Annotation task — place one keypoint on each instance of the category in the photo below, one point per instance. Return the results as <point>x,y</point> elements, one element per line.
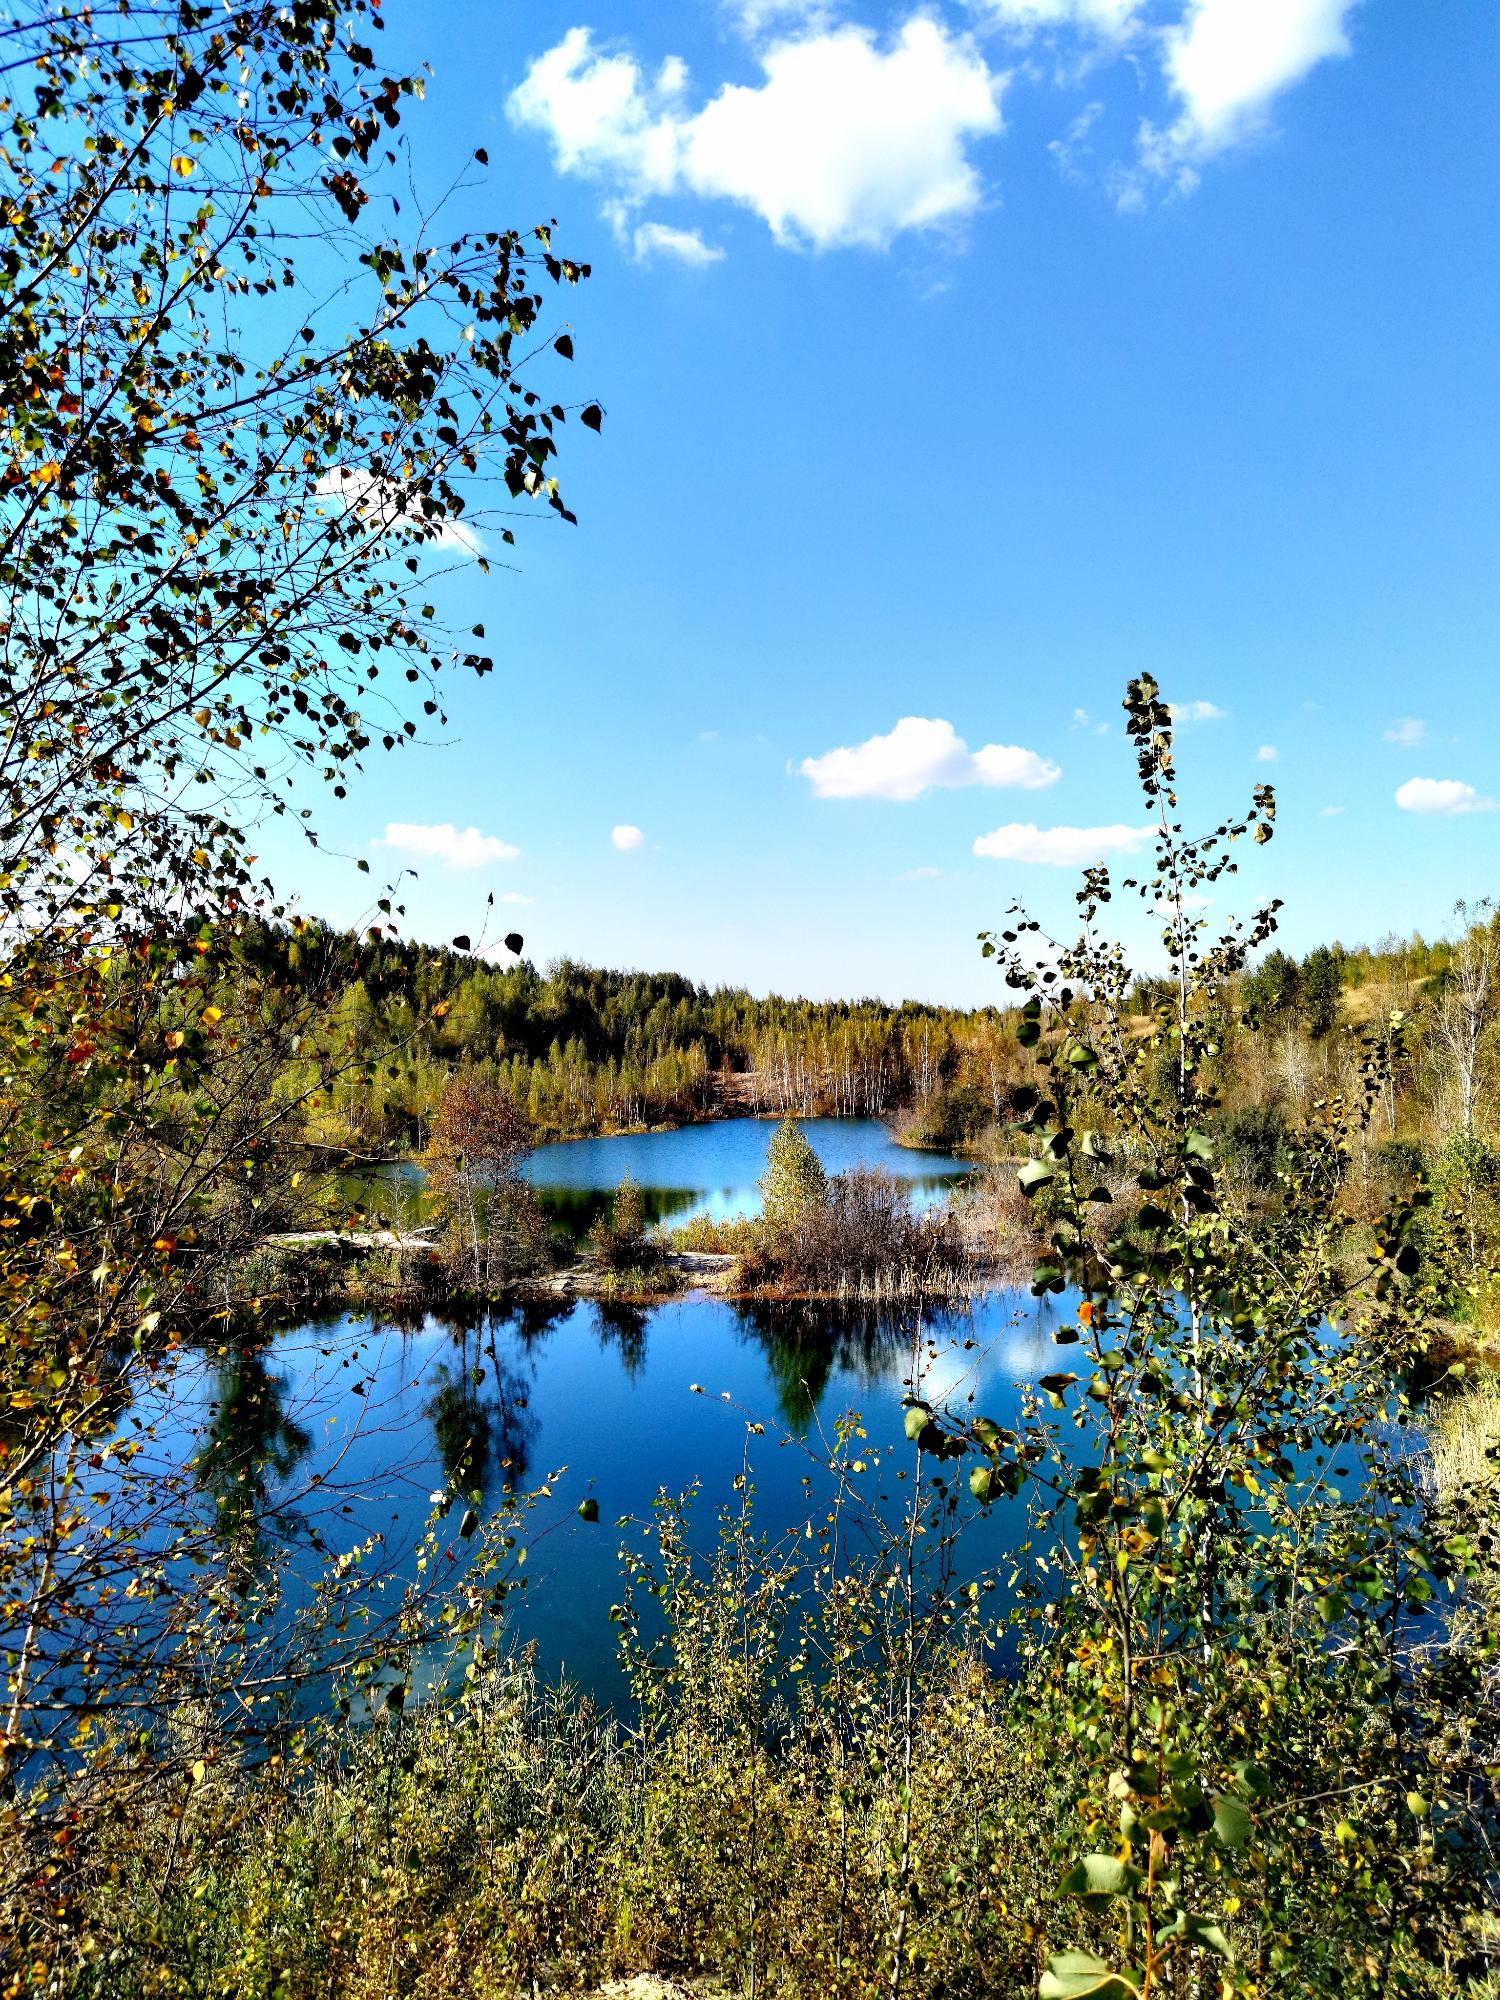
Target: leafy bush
<point>618,1240</point>
<point>1252,1142</point>
<point>954,1115</point>
<point>863,1233</point>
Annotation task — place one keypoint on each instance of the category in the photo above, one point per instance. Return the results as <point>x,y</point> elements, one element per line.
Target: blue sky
<point>961,361</point>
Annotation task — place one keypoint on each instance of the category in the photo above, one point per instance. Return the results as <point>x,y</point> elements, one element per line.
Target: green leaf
<point>1035,1174</point>
<point>1078,1975</point>
<point>916,1420</point>
<point>1232,1821</point>
<point>469,1522</point>
<point>1255,1778</point>
<point>1100,1875</point>
<point>981,1480</point>
<point>588,1510</point>
<point>593,416</point>
<point>1201,1931</point>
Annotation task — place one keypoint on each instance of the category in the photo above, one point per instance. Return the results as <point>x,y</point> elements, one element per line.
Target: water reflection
<point>806,1342</point>
<point>352,1423</point>
<point>251,1445</point>
<point>709,1170</point>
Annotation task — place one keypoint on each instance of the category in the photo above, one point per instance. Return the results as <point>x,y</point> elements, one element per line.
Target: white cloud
<point>922,752</point>
<point>1061,846</point>
<point>1329,812</point>
<point>385,505</point>
<point>1226,60</point>
<point>1441,797</point>
<point>515,896</point>
<point>626,837</point>
<point>846,140</point>
<point>1111,19</point>
<point>1268,754</point>
<point>920,875</point>
<point>469,849</point>
<point>686,246</point>
<point>1408,731</point>
<point>1195,711</point>
<point>754,17</point>
<point>1189,905</point>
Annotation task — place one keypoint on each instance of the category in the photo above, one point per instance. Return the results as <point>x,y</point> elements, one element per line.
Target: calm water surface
<point>707,1170</point>
<point>603,1394</point>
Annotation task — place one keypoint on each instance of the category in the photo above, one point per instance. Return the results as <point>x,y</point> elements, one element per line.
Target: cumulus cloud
<point>468,849</point>
<point>1408,731</point>
<point>919,754</point>
<point>1440,797</point>
<point>1268,754</point>
<point>685,246</point>
<point>1061,846</point>
<point>847,138</point>
<point>1195,711</point>
<point>627,837</point>
<point>1225,63</point>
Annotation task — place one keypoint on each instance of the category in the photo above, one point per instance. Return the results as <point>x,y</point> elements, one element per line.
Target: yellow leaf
<point>181,164</point>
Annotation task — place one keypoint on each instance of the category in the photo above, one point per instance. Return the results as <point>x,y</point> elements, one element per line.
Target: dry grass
<point>1464,1436</point>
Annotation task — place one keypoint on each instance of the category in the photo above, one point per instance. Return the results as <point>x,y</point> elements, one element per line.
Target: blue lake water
<point>708,1170</point>
<point>614,1401</point>
<point>621,1402</point>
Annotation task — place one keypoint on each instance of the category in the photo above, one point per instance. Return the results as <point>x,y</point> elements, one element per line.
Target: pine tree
<point>794,1180</point>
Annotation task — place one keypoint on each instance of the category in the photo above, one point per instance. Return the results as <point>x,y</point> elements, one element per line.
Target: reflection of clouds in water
<point>1027,1349</point>
<point>1004,1341</point>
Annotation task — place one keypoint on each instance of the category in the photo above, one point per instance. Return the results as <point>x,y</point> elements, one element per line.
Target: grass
<point>1464,1437</point>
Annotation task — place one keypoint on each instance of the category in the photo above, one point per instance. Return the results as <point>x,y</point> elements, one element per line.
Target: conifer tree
<point>794,1180</point>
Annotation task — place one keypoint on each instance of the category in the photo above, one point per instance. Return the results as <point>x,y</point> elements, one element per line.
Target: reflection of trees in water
<point>805,1340</point>
<point>252,1441</point>
<point>481,1414</point>
<point>624,1325</point>
<point>574,1211</point>
<point>461,1430</point>
<point>531,1320</point>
